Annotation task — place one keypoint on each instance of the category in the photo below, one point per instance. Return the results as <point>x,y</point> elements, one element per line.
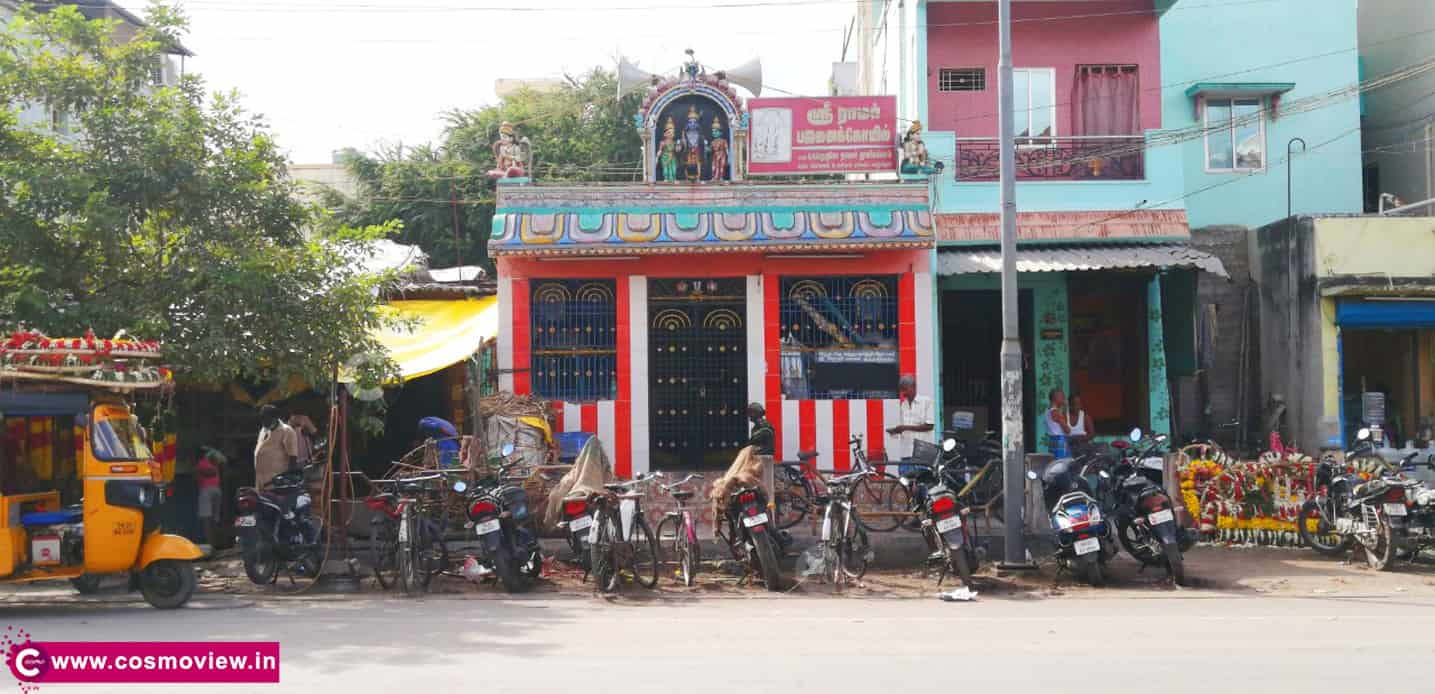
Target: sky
<point>329,74</point>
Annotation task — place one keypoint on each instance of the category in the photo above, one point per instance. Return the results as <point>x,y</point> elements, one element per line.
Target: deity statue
<point>512,154</point>
<point>693,146</point>
<point>717,146</point>
<point>914,152</point>
<point>667,153</point>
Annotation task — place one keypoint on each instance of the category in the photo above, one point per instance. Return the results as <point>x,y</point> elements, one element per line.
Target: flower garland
<point>117,362</point>
<point>1256,502</point>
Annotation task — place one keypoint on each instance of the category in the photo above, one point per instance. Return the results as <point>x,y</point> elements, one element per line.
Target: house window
<point>574,340</point>
<point>1235,135</point>
<point>965,79</point>
<point>839,337</point>
<point>1034,101</point>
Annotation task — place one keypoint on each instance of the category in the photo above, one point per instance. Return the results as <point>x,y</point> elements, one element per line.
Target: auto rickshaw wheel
<point>86,584</point>
<point>168,583</point>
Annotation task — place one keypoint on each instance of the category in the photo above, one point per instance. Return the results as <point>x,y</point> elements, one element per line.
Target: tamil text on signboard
<point>816,135</point>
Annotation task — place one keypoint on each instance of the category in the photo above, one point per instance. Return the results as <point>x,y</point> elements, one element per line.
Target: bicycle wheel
<point>881,499</point>
<point>383,551</point>
<point>645,554</point>
<point>856,550</point>
<point>411,577</point>
<point>791,503</point>
<point>605,573</point>
<point>673,544</point>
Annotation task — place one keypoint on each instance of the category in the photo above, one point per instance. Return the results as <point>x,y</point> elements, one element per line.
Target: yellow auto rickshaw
<point>115,527</point>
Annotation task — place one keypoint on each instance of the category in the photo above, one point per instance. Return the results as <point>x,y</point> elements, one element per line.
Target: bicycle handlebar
<point>679,483</point>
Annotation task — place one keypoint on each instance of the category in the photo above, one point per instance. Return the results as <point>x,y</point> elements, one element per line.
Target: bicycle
<point>420,548</point>
<point>881,495</point>
<point>621,539</point>
<point>384,533</point>
<point>680,531</point>
<point>846,550</point>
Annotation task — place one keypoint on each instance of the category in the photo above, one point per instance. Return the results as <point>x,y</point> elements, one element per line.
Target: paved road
<point>1201,642</point>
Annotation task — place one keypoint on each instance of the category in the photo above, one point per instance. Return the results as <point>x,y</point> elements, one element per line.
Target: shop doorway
<point>697,371</point>
<point>971,360</point>
<point>1396,363</point>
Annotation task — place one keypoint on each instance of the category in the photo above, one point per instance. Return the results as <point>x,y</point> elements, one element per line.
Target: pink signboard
<point>819,135</point>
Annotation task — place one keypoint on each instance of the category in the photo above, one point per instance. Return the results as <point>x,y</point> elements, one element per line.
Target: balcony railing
<point>1080,158</point>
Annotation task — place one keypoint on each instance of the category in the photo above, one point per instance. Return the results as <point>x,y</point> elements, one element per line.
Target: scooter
<point>1083,535</point>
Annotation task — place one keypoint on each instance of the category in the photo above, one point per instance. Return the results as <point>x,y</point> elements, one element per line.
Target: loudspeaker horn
<point>748,76</point>
<point>630,76</point>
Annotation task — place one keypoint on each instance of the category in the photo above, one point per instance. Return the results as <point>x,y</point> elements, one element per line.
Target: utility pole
<point>1013,443</point>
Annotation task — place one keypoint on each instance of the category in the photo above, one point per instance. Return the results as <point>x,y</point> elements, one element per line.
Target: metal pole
<point>1013,444</point>
<point>1290,164</point>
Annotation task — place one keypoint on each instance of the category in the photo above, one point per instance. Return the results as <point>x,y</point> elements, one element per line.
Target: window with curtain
<point>1235,135</point>
<point>574,340</point>
<point>1106,100</point>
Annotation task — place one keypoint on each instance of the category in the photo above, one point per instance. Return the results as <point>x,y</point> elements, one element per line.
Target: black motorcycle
<point>943,516</point>
<point>1083,535</point>
<point>1144,512</point>
<point>497,510</point>
<point>751,535</point>
<point>1348,511</point>
<point>277,528</point>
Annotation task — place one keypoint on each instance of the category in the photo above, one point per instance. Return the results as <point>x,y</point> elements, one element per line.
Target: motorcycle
<point>577,524</point>
<point>752,536</point>
<point>1083,535</point>
<point>497,511</point>
<point>1348,512</point>
<point>1145,514</point>
<point>1420,501</point>
<point>277,529</point>
<point>943,516</point>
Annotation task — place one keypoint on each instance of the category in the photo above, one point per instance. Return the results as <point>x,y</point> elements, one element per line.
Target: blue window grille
<point>574,340</point>
<point>839,337</point>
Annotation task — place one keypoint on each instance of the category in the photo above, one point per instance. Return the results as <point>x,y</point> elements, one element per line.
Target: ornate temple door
<point>697,357</point>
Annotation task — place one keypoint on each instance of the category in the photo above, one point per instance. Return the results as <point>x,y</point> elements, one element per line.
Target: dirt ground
<point>1214,570</point>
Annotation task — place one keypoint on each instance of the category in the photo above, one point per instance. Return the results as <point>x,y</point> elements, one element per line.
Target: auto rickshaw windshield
<point>116,435</point>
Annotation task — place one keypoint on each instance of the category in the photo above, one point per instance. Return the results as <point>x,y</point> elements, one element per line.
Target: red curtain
<point>1106,101</point>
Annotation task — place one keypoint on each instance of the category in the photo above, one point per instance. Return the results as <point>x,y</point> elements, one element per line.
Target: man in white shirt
<point>915,413</point>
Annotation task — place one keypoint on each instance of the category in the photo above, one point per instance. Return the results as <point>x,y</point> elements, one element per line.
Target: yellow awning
<point>443,333</point>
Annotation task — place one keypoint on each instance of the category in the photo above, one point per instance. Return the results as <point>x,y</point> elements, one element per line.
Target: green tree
<point>579,131</point>
<point>164,212</point>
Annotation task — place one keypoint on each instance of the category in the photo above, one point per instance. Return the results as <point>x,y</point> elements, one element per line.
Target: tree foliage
<point>580,132</point>
<point>163,211</point>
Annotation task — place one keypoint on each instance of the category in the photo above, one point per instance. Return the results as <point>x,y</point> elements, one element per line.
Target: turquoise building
<point>1138,121</point>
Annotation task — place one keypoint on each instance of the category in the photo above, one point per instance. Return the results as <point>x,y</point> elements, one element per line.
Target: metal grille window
<point>963,79</point>
<point>574,337</point>
<point>839,337</point>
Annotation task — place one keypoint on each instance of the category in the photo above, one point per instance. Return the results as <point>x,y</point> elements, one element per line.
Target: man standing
<point>915,414</point>
<point>277,448</point>
<point>762,438</point>
<point>304,427</point>
<point>207,479</point>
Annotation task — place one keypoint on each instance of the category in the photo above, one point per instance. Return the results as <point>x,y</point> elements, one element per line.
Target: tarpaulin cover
<point>443,333</point>
<point>590,472</point>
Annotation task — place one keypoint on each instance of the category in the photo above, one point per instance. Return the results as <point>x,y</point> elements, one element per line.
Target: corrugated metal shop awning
<point>1079,258</point>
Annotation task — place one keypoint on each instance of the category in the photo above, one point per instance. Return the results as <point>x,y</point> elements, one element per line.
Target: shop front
<point>654,314</point>
<point>1109,320</point>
